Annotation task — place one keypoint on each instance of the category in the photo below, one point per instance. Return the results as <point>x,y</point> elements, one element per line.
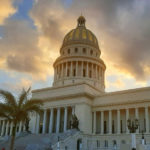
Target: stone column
<point>58,120</point>
<point>118,121</point>
<point>76,68</point>
<point>137,117</point>
<point>127,117</point>
<point>65,119</point>
<point>3,128</point>
<point>110,121</point>
<point>7,126</point>
<point>51,120</point>
<point>102,122</point>
<point>66,68</point>
<point>20,126</point>
<point>73,110</point>
<point>44,122</point>
<point>94,123</point>
<point>11,128</point>
<point>87,70</point>
<point>147,119</point>
<point>37,123</point>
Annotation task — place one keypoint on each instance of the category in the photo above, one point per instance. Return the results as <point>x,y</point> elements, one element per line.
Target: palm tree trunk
<point>13,137</point>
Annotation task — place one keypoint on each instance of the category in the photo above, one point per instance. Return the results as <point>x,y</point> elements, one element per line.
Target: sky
<point>32,31</point>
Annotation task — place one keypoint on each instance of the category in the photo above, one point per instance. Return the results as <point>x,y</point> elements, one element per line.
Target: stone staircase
<point>37,141</point>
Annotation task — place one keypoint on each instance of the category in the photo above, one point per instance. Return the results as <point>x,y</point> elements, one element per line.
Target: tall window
<point>84,73</point>
<point>121,126</point>
<point>74,72</point>
<point>106,143</point>
<point>113,127</point>
<point>84,50</point>
<point>105,127</point>
<point>98,143</point>
<point>144,124</point>
<point>76,50</point>
<point>68,73</point>
<point>90,74</point>
<point>91,52</point>
<point>68,51</point>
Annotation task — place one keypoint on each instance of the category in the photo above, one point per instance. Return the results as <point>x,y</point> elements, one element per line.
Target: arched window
<point>68,51</point>
<point>79,144</point>
<point>84,50</point>
<point>114,142</point>
<point>76,50</point>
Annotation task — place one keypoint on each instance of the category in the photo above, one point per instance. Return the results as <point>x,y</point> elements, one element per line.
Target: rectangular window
<point>98,143</point>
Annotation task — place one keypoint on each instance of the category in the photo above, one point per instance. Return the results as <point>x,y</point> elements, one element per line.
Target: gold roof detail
<point>80,35</point>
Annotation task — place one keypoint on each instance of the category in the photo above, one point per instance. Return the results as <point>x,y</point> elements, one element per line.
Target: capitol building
<point>79,89</point>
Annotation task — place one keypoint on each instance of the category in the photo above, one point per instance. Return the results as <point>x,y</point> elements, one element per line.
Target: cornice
<point>65,86</point>
<point>123,103</point>
<point>124,92</point>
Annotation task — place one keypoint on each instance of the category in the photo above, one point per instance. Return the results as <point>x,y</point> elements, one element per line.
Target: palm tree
<point>17,109</point>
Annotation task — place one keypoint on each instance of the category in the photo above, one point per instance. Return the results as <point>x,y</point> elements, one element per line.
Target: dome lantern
<point>81,21</point>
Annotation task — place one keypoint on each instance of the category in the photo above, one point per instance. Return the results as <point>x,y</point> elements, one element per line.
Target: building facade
<point>79,88</point>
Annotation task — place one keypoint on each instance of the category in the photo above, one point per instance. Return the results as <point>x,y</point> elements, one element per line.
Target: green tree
<point>17,109</point>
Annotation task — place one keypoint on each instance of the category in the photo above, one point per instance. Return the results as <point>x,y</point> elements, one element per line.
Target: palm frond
<point>33,108</point>
<point>32,102</point>
<point>4,115</point>
<point>8,97</point>
<point>6,108</point>
<point>23,96</point>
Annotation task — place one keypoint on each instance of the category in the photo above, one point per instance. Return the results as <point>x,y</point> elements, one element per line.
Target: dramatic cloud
<point>122,27</point>
<point>19,48</point>
<point>6,9</point>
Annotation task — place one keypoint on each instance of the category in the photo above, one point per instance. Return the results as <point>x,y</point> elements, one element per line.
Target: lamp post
<point>133,126</point>
<point>58,143</point>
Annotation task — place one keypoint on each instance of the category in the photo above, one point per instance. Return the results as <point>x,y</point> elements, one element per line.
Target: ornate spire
<point>81,21</point>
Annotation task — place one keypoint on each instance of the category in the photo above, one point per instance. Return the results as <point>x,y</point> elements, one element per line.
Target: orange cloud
<point>6,9</point>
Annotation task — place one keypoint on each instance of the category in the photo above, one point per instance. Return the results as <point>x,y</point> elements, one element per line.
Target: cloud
<point>6,9</point>
<point>122,28</point>
<point>16,87</point>
<point>19,48</point>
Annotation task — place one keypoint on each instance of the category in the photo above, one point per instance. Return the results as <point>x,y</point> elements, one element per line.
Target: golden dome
<point>80,35</point>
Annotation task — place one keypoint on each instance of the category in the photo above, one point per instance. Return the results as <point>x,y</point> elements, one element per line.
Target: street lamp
<point>58,143</point>
<point>133,126</point>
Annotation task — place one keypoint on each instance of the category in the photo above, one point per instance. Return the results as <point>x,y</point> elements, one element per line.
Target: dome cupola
<point>81,21</point>
<point>79,60</point>
<point>80,35</point>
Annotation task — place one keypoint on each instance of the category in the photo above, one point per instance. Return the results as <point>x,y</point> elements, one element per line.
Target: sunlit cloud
<point>122,28</point>
<point>6,9</point>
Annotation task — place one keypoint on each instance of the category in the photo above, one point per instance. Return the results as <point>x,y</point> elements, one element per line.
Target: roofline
<point>125,91</point>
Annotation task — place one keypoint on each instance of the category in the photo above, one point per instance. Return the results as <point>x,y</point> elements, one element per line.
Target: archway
<point>79,144</point>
